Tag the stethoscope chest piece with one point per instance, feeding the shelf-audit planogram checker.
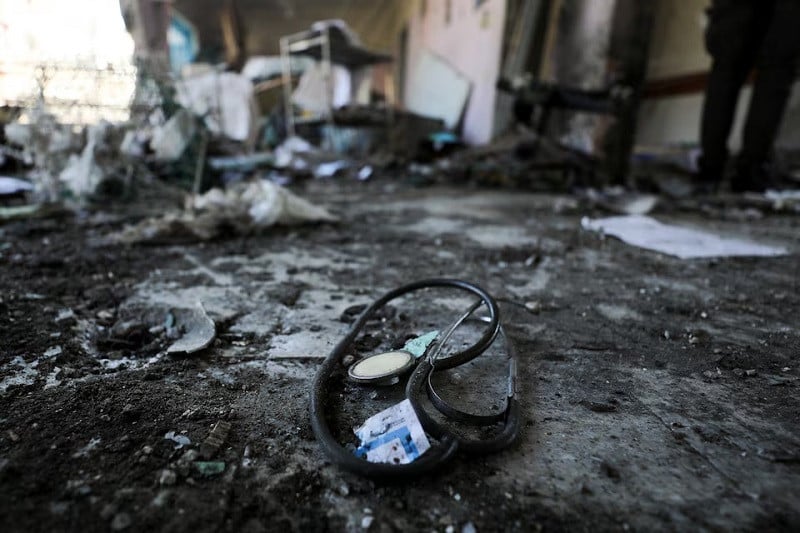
(381, 368)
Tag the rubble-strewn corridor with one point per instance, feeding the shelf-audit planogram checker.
(656, 392)
(192, 243)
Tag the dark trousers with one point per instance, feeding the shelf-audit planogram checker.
(742, 35)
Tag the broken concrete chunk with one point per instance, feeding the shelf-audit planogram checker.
(184, 464)
(534, 306)
(167, 477)
(125, 329)
(121, 521)
(53, 351)
(65, 314)
(199, 330)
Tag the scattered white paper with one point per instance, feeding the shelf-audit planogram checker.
(365, 173)
(179, 440)
(393, 436)
(10, 185)
(327, 170)
(773, 194)
(682, 242)
(783, 199)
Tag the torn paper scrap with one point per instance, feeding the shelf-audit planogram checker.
(682, 242)
(394, 436)
(418, 345)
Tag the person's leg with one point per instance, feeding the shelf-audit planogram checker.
(776, 71)
(732, 38)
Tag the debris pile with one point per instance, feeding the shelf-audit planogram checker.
(244, 207)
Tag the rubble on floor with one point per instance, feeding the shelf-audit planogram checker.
(198, 330)
(610, 336)
(245, 208)
(175, 376)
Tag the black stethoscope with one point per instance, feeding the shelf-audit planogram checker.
(395, 364)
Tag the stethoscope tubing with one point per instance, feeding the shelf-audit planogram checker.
(449, 442)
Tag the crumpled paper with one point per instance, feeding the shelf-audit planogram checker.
(245, 207)
(393, 436)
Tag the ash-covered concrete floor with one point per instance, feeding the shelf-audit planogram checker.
(657, 393)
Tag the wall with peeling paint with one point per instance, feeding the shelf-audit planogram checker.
(678, 49)
(677, 42)
(469, 37)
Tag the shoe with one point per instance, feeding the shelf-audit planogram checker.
(706, 188)
(752, 177)
(703, 184)
(708, 177)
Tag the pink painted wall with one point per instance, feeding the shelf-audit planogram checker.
(471, 43)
